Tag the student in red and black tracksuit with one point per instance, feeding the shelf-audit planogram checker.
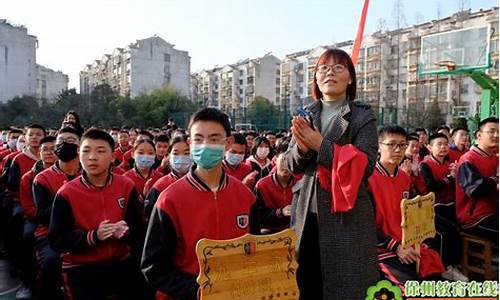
(439, 175)
(460, 137)
(477, 184)
(410, 165)
(45, 187)
(162, 142)
(27, 247)
(98, 238)
(11, 143)
(206, 203)
(144, 159)
(180, 163)
(123, 146)
(128, 160)
(21, 164)
(422, 139)
(261, 165)
(274, 192)
(388, 185)
(234, 162)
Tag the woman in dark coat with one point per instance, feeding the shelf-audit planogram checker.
(336, 251)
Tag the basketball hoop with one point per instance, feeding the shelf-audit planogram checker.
(449, 64)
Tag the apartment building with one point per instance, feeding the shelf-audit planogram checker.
(49, 83)
(17, 61)
(233, 87)
(140, 68)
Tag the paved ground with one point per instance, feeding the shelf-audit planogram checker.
(8, 286)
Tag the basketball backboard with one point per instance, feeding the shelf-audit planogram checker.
(463, 49)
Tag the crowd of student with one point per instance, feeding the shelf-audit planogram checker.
(118, 212)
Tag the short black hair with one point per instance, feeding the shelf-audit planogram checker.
(48, 139)
(146, 133)
(270, 132)
(283, 145)
(142, 141)
(70, 129)
(419, 129)
(162, 138)
(457, 129)
(99, 134)
(239, 139)
(15, 130)
(412, 137)
(180, 138)
(252, 133)
(443, 127)
(36, 126)
(391, 129)
(437, 136)
(213, 115)
(259, 141)
(487, 120)
(124, 132)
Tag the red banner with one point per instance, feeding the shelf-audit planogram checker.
(359, 35)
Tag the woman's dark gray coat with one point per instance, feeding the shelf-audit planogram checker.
(347, 241)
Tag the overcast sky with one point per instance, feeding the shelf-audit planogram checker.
(73, 33)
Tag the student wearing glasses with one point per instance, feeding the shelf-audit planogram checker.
(336, 230)
(477, 184)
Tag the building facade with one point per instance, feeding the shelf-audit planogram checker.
(49, 83)
(140, 68)
(17, 61)
(233, 87)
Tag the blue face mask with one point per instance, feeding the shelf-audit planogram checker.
(207, 156)
(12, 144)
(144, 161)
(180, 163)
(234, 159)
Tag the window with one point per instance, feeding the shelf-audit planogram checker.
(166, 57)
(278, 81)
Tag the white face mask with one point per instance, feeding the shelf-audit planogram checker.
(262, 152)
(20, 145)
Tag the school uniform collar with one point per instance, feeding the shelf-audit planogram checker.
(274, 177)
(138, 173)
(380, 168)
(198, 184)
(55, 167)
(174, 175)
(253, 159)
(446, 158)
(480, 151)
(85, 181)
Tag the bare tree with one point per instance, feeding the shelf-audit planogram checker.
(400, 21)
(463, 5)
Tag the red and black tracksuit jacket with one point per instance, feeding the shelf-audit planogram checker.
(140, 181)
(476, 187)
(275, 197)
(79, 207)
(185, 213)
(6, 162)
(456, 153)
(4, 154)
(438, 179)
(26, 191)
(239, 172)
(45, 187)
(387, 191)
(119, 152)
(159, 186)
(21, 164)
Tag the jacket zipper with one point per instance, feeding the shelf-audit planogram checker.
(217, 233)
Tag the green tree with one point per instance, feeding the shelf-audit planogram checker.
(435, 117)
(263, 113)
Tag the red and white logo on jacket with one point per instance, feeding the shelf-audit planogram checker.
(121, 202)
(242, 221)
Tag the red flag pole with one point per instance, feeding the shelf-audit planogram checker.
(359, 35)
